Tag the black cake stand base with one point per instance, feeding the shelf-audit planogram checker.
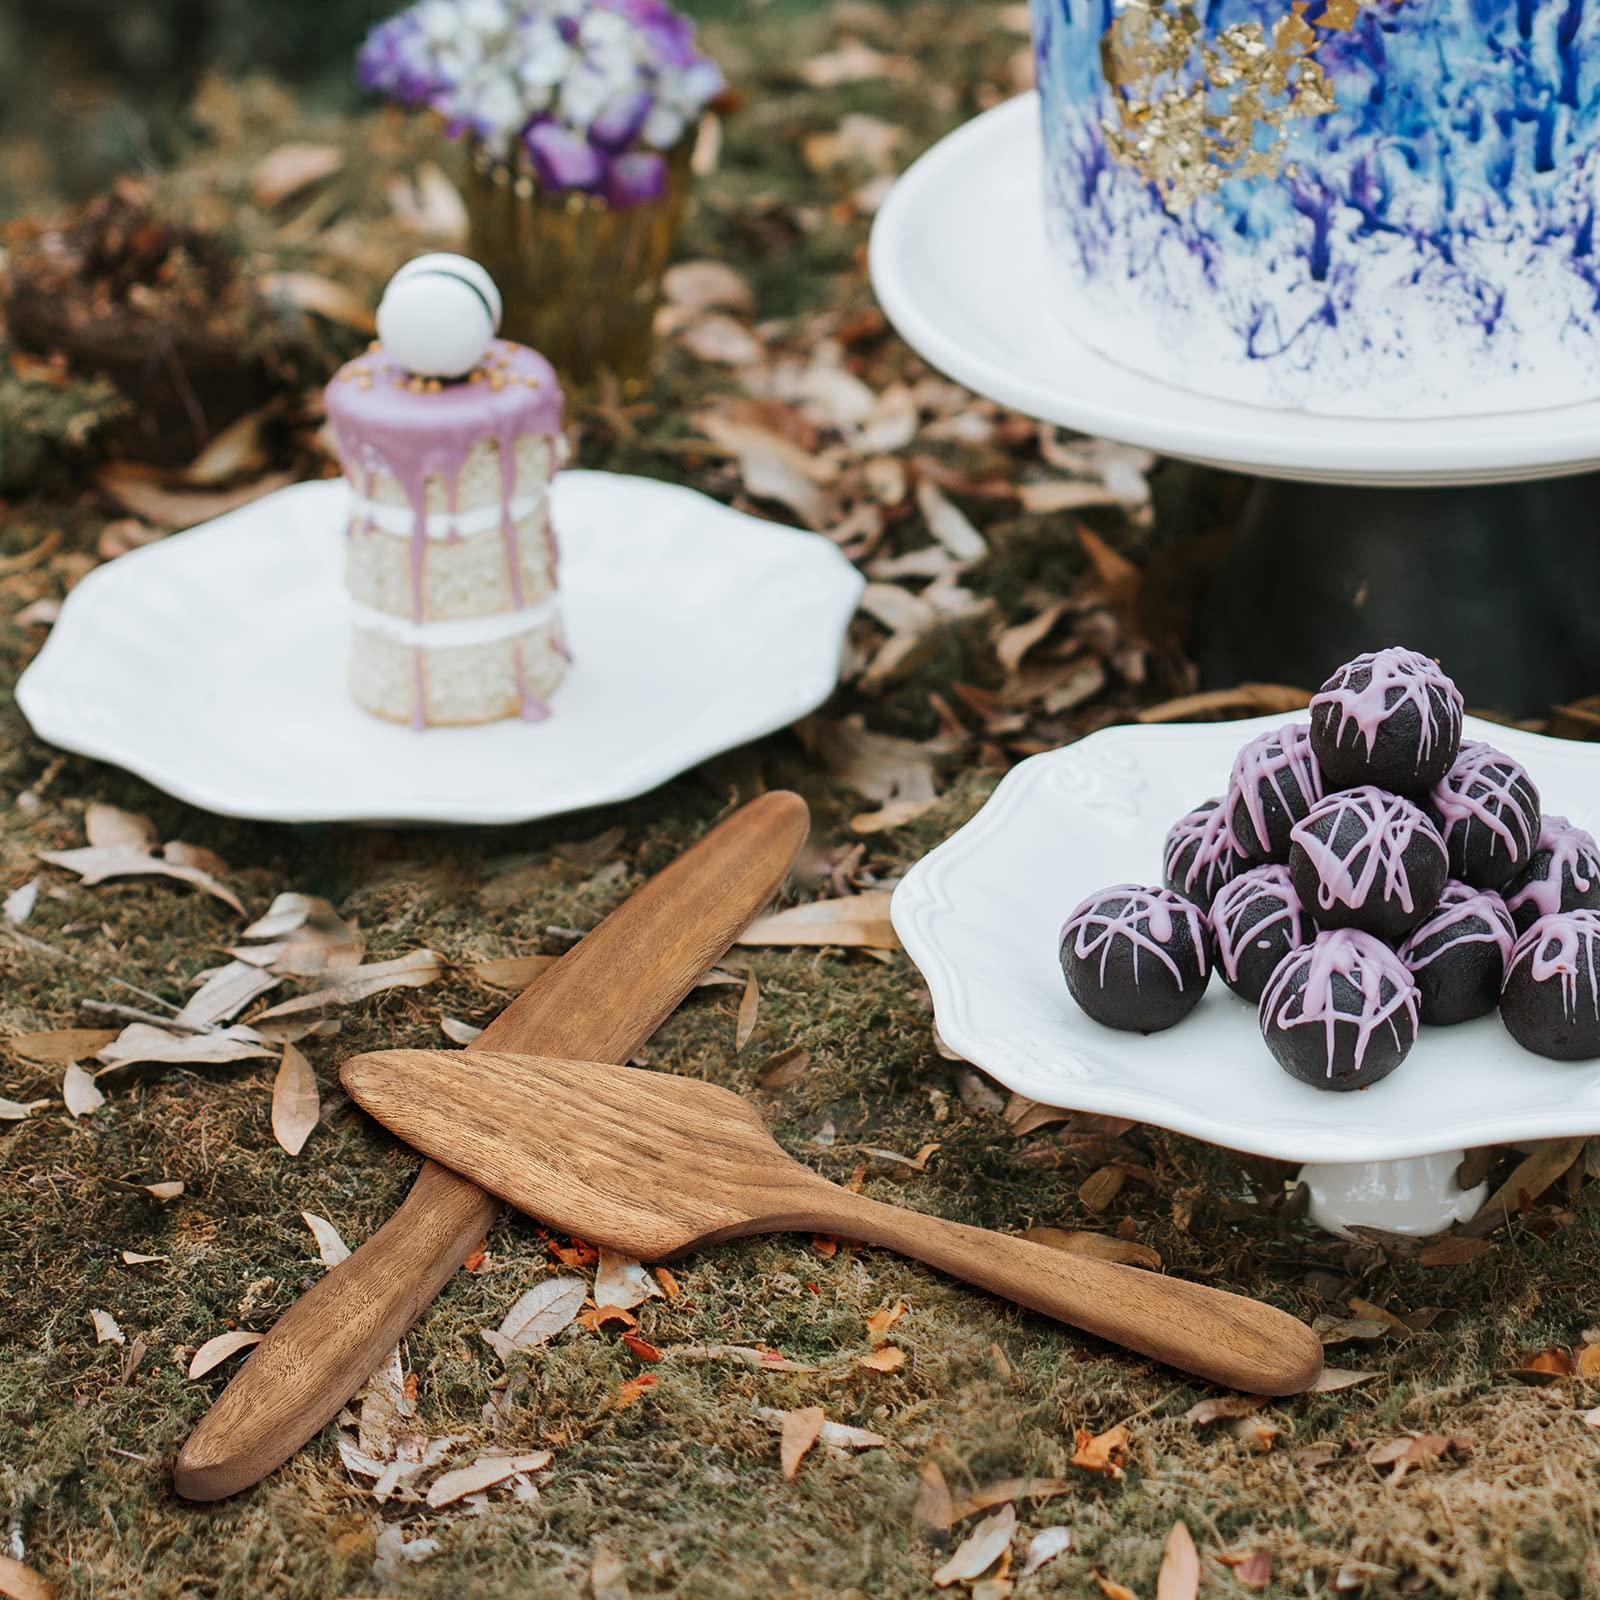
(1501, 583)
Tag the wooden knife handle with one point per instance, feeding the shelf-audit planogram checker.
(601, 1002)
(1221, 1337)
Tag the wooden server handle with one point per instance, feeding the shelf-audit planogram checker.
(601, 1001)
(1221, 1337)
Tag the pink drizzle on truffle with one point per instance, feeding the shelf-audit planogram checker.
(1395, 678)
(1264, 765)
(1366, 965)
(1214, 860)
(1466, 916)
(1564, 946)
(1573, 853)
(381, 423)
(1146, 918)
(1482, 787)
(1234, 903)
(1388, 825)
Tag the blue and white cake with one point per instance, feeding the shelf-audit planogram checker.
(1359, 207)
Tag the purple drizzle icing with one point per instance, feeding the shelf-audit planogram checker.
(1144, 917)
(1573, 852)
(1366, 965)
(1490, 790)
(382, 423)
(1263, 767)
(1567, 947)
(1388, 826)
(1463, 916)
(1199, 856)
(1393, 678)
(1231, 922)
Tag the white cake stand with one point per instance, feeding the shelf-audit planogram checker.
(959, 262)
(981, 916)
(1474, 539)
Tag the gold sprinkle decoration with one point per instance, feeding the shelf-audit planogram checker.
(1188, 125)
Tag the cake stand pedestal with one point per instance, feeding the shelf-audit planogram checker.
(1457, 537)
(1475, 539)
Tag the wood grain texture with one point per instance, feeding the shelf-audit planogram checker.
(653, 1166)
(603, 999)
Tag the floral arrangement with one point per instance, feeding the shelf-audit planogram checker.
(591, 91)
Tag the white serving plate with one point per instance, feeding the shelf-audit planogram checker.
(212, 663)
(959, 263)
(981, 917)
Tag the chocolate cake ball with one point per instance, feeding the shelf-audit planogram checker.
(1551, 1000)
(1563, 874)
(1341, 1013)
(1487, 812)
(1276, 781)
(1137, 959)
(1256, 921)
(1200, 856)
(1458, 954)
(1367, 859)
(1391, 719)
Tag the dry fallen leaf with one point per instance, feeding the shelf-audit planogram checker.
(135, 1258)
(18, 1582)
(1179, 1577)
(1416, 1449)
(538, 1316)
(858, 921)
(291, 168)
(330, 1246)
(484, 1473)
(96, 864)
(322, 297)
(1102, 1452)
(143, 1041)
(145, 496)
(106, 1330)
(296, 1106)
(168, 1189)
(1111, 1589)
(801, 1430)
(1254, 1571)
(1332, 1379)
(749, 1005)
(425, 202)
(61, 1045)
(511, 972)
(981, 1548)
(787, 1067)
(215, 1351)
(411, 971)
(300, 935)
(934, 1508)
(949, 524)
(224, 993)
(707, 286)
(887, 1358)
(1004, 1490)
(854, 62)
(1225, 1405)
(80, 1092)
(1045, 1546)
(607, 1580)
(621, 1281)
(884, 1318)
(16, 1110)
(634, 1389)
(894, 815)
(18, 906)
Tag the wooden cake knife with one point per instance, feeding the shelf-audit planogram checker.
(601, 1001)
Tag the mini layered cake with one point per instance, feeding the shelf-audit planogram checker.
(452, 561)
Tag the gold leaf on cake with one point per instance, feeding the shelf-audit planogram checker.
(1190, 115)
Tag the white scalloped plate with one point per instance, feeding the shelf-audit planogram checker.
(981, 914)
(212, 663)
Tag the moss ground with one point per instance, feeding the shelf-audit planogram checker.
(683, 1486)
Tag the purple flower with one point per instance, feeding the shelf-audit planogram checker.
(563, 159)
(620, 120)
(636, 179)
(395, 60)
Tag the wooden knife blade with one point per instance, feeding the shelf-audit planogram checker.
(600, 1001)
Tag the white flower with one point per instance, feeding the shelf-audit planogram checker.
(664, 126)
(584, 95)
(545, 56)
(485, 16)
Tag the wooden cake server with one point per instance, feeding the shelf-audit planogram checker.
(604, 998)
(653, 1166)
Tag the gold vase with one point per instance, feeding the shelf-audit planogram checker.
(580, 279)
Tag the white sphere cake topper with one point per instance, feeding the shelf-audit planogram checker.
(438, 315)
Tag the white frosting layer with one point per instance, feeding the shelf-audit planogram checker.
(400, 519)
(455, 632)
